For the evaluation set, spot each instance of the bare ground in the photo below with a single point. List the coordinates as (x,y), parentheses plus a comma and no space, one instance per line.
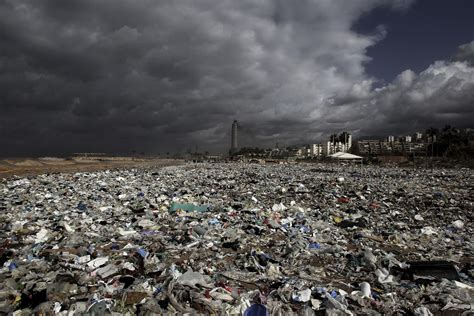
(33,166)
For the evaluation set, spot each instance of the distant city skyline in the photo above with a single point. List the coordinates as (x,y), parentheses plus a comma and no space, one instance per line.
(155,77)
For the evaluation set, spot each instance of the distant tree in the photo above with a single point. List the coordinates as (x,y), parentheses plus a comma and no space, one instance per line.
(449,142)
(343,137)
(432,131)
(447,129)
(251,151)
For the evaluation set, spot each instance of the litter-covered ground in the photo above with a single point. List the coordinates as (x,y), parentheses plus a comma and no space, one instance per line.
(239,239)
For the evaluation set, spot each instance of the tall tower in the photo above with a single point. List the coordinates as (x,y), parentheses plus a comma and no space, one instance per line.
(233,146)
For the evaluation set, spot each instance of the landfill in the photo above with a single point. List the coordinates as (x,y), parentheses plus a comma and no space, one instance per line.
(239,239)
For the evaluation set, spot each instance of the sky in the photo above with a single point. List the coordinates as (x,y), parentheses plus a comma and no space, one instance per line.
(153,76)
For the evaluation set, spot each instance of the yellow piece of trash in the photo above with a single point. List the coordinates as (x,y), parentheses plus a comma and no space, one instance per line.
(337,219)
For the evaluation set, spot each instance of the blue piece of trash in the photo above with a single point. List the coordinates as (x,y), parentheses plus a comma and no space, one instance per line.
(213,221)
(149,232)
(141,194)
(142,252)
(256,310)
(305,229)
(314,245)
(90,249)
(333,293)
(12,266)
(81,206)
(321,290)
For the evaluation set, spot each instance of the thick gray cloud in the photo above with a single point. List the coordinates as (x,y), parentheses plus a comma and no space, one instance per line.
(156,76)
(466,53)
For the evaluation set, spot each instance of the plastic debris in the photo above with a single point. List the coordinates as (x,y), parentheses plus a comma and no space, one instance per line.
(187,207)
(256,310)
(42,236)
(278,207)
(422,311)
(302,296)
(192,279)
(432,270)
(236,238)
(459,224)
(107,271)
(419,218)
(97,262)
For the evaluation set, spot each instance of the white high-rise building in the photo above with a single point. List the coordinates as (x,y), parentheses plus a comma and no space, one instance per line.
(316,150)
(327,148)
(349,142)
(330,148)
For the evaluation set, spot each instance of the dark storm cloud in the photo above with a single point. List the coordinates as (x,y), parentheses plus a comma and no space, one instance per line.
(122,75)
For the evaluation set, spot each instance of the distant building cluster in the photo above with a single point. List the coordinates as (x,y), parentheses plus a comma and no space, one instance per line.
(434,142)
(336,144)
(416,143)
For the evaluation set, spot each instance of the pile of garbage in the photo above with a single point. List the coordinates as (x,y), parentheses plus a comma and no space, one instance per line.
(235,238)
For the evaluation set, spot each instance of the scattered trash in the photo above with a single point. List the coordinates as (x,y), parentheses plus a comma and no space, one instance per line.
(256,310)
(302,296)
(383,276)
(364,291)
(107,271)
(187,207)
(97,262)
(459,224)
(239,239)
(192,279)
(428,231)
(278,207)
(42,236)
(431,270)
(422,311)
